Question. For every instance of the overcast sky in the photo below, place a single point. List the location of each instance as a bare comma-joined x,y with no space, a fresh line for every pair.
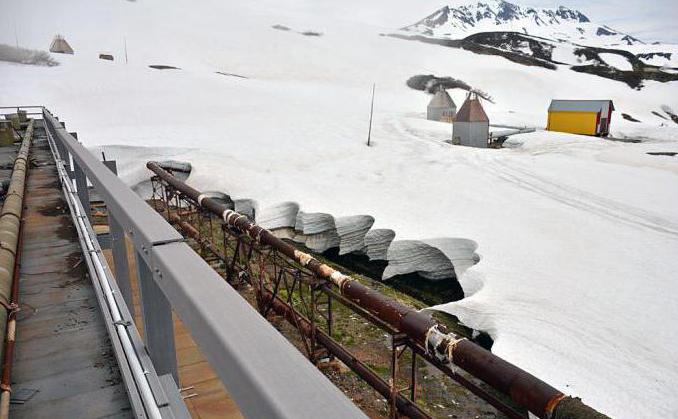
649,20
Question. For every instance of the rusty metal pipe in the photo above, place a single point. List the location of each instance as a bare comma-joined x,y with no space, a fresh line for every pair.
10,338
404,405
192,232
10,259
524,389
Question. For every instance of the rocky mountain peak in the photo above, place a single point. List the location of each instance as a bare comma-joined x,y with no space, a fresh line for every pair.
560,24
499,12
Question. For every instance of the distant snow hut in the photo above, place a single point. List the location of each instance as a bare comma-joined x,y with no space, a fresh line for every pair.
441,107
108,57
60,46
471,125
588,117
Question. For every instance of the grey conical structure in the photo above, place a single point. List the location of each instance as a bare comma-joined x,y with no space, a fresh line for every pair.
441,107
60,46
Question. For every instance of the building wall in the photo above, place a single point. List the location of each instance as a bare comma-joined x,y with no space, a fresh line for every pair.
440,114
573,122
459,130
434,114
471,134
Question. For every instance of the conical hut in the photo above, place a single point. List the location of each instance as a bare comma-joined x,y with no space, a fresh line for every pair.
441,107
60,46
471,125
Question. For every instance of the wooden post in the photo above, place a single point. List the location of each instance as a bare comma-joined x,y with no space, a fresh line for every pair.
369,132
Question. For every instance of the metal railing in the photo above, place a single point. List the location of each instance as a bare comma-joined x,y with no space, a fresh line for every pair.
265,375
31,110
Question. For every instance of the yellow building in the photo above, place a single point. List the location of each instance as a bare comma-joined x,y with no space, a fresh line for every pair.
588,117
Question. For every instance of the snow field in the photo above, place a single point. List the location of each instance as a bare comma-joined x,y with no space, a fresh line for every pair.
576,236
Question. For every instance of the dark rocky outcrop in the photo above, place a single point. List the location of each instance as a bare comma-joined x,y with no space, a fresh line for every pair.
430,83
163,67
534,51
629,117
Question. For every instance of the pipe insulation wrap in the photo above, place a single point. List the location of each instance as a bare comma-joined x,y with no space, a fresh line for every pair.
10,238
10,222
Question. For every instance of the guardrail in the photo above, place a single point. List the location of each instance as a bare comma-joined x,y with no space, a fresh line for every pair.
34,110
265,375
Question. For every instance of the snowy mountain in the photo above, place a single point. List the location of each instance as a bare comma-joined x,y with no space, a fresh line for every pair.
547,38
562,24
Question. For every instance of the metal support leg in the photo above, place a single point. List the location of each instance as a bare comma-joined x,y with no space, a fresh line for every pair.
119,248
413,377
83,192
70,162
158,325
393,381
63,154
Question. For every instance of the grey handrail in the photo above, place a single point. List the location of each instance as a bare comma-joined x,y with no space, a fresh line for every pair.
266,376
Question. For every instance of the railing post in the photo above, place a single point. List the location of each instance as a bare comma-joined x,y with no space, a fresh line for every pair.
61,148
83,192
158,324
70,162
63,154
81,184
119,249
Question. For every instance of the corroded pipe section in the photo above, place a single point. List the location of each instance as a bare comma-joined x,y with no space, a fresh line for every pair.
10,237
526,390
405,406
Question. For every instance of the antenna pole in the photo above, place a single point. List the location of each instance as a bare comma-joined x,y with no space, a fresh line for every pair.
369,132
16,37
125,41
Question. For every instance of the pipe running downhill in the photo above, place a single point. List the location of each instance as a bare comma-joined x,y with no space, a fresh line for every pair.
524,389
10,255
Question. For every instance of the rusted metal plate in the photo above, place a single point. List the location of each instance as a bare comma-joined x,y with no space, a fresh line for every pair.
62,347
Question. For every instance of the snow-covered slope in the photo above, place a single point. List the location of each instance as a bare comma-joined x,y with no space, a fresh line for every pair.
576,236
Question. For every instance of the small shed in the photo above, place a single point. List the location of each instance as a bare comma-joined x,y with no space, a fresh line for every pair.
441,107
588,117
471,125
6,132
60,46
108,57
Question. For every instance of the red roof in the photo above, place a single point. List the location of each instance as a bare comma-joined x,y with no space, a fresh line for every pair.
472,110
